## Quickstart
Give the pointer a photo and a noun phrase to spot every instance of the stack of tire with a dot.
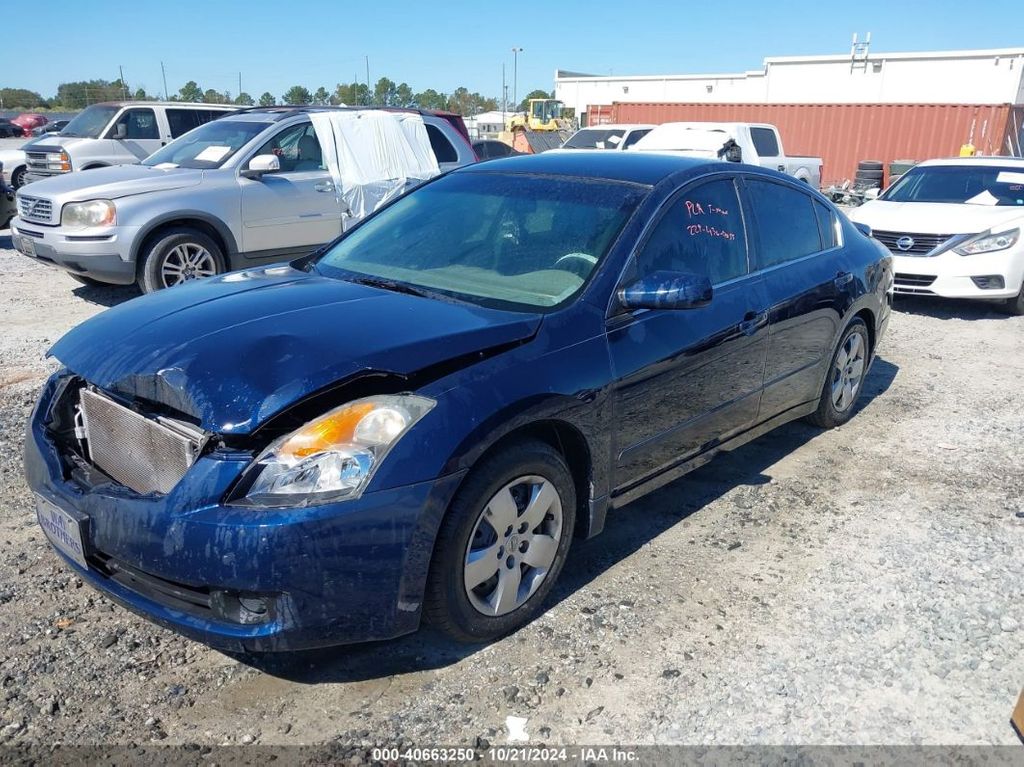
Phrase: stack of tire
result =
(869, 174)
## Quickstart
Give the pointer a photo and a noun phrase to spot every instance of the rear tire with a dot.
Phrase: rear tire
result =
(845, 379)
(515, 514)
(176, 256)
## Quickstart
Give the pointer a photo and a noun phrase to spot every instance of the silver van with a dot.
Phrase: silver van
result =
(116, 133)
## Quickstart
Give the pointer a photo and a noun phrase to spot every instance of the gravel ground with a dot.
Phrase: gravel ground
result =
(857, 586)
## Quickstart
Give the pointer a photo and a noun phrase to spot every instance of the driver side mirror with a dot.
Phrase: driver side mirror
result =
(120, 131)
(668, 290)
(260, 164)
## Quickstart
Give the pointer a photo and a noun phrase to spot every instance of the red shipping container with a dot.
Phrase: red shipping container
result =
(844, 134)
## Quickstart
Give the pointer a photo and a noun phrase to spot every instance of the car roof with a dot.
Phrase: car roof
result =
(196, 104)
(637, 167)
(998, 161)
(619, 126)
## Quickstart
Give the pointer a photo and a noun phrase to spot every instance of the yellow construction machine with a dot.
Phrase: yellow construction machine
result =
(541, 115)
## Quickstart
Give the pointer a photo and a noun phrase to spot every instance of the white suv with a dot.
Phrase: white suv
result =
(954, 229)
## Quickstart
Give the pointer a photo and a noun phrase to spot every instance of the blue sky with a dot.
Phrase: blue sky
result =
(448, 43)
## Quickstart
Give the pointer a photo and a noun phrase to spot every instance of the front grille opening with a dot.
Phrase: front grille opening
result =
(144, 452)
(920, 244)
(190, 599)
(913, 280)
(242, 608)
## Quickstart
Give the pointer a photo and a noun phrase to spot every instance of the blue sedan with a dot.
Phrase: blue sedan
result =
(417, 420)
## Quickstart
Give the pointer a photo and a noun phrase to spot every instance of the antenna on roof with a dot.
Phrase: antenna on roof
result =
(859, 52)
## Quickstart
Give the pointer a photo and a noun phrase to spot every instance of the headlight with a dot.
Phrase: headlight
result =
(988, 243)
(334, 456)
(81, 215)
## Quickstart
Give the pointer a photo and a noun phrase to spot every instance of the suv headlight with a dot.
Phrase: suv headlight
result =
(332, 457)
(988, 243)
(82, 215)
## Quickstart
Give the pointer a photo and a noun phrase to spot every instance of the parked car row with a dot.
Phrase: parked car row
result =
(249, 188)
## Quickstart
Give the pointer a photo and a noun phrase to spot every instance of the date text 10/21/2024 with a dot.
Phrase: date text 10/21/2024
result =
(457, 755)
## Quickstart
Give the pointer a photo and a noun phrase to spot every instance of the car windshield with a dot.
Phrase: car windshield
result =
(496, 239)
(91, 122)
(208, 146)
(595, 139)
(970, 184)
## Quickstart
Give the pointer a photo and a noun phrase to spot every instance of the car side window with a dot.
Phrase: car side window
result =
(443, 149)
(765, 142)
(181, 121)
(297, 149)
(635, 136)
(138, 124)
(702, 232)
(787, 224)
(826, 225)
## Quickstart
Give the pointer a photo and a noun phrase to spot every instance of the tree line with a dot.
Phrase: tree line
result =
(77, 95)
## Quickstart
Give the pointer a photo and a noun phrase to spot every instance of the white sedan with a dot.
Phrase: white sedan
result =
(954, 229)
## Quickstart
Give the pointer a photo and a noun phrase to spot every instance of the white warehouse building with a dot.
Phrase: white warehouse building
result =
(993, 76)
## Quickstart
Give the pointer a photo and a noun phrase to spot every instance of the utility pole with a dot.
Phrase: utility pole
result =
(239, 83)
(124, 86)
(515, 78)
(163, 72)
(368, 93)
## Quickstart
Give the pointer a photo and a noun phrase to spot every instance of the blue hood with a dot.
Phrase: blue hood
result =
(233, 351)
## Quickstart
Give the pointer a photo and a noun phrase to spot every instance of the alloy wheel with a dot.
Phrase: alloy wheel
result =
(848, 372)
(187, 261)
(513, 545)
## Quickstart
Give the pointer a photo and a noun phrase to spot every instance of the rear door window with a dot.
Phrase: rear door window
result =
(826, 225)
(181, 121)
(702, 232)
(765, 142)
(787, 224)
(443, 149)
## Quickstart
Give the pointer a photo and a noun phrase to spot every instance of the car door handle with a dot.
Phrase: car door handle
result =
(782, 168)
(752, 321)
(324, 186)
(843, 278)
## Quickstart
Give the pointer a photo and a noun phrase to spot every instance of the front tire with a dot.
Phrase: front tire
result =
(1015, 306)
(176, 256)
(18, 177)
(845, 378)
(502, 544)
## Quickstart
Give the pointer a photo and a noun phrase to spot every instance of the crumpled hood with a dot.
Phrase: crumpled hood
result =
(111, 183)
(935, 218)
(235, 350)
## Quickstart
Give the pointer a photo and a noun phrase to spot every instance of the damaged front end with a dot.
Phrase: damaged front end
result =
(238, 576)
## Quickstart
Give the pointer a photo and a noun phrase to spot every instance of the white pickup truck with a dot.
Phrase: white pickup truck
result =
(753, 143)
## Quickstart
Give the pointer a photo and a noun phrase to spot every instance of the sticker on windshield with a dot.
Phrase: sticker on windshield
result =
(1009, 177)
(983, 198)
(614, 139)
(213, 154)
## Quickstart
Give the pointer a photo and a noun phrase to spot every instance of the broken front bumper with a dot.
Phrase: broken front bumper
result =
(330, 574)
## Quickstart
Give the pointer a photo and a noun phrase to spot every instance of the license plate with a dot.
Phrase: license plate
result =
(25, 245)
(63, 530)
